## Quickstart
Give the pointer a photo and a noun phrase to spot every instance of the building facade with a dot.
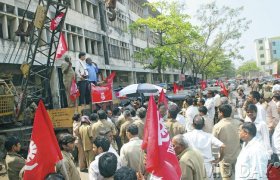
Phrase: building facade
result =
(267, 53)
(110, 45)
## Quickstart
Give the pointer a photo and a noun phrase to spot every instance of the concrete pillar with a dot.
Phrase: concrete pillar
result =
(54, 84)
(89, 46)
(78, 5)
(82, 44)
(171, 77)
(84, 6)
(76, 43)
(73, 4)
(131, 77)
(149, 78)
(5, 27)
(95, 48)
(70, 42)
(90, 10)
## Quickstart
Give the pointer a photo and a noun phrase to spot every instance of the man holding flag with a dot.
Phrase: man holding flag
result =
(161, 159)
(44, 151)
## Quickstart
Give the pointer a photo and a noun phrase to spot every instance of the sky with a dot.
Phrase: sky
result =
(264, 15)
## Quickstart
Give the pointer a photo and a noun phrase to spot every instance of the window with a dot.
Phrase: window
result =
(260, 41)
(273, 43)
(262, 56)
(262, 63)
(10, 9)
(261, 48)
(274, 51)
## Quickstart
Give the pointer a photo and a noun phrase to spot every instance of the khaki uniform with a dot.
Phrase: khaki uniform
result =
(78, 144)
(120, 121)
(140, 124)
(86, 135)
(132, 155)
(14, 163)
(192, 165)
(227, 131)
(70, 172)
(102, 124)
(68, 74)
(123, 129)
(174, 127)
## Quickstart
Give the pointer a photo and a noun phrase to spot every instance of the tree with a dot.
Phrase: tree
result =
(248, 67)
(172, 28)
(221, 29)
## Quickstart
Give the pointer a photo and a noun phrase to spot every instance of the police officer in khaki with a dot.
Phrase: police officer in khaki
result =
(14, 161)
(102, 124)
(140, 121)
(67, 167)
(86, 139)
(68, 75)
(171, 124)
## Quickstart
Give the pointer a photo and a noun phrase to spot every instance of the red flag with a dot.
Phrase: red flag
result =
(55, 21)
(44, 151)
(203, 84)
(217, 83)
(62, 47)
(175, 88)
(223, 90)
(161, 160)
(111, 77)
(74, 91)
(162, 99)
(101, 93)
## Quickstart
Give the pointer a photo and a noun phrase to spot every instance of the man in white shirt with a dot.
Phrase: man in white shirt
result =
(131, 153)
(203, 142)
(262, 129)
(209, 124)
(276, 140)
(101, 145)
(254, 98)
(190, 113)
(81, 77)
(276, 87)
(210, 105)
(252, 160)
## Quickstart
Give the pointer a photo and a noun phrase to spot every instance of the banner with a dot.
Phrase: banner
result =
(56, 21)
(62, 47)
(101, 94)
(44, 151)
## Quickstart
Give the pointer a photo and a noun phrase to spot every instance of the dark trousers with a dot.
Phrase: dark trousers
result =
(88, 91)
(82, 85)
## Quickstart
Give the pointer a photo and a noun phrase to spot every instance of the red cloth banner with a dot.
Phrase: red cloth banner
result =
(162, 99)
(111, 77)
(161, 160)
(175, 88)
(62, 47)
(44, 151)
(223, 89)
(74, 91)
(56, 21)
(101, 94)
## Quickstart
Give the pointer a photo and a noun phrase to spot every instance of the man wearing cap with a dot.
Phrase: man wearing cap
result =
(68, 75)
(67, 167)
(81, 76)
(86, 137)
(102, 124)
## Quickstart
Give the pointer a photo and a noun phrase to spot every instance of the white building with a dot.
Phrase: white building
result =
(267, 52)
(83, 33)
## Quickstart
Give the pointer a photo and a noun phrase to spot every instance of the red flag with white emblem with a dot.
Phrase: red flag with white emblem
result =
(44, 151)
(62, 47)
(56, 21)
(161, 160)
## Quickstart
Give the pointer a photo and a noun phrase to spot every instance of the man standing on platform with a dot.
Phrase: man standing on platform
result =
(68, 75)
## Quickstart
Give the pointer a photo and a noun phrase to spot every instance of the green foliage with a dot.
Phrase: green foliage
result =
(173, 32)
(247, 67)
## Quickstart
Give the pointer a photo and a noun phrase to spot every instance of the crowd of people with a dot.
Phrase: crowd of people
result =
(240, 136)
